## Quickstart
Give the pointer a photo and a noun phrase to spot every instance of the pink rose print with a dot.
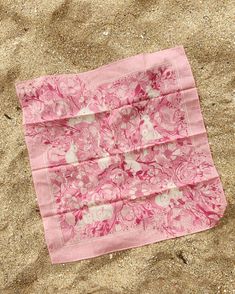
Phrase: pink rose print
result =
(87, 142)
(168, 117)
(107, 192)
(186, 172)
(69, 87)
(125, 127)
(165, 199)
(137, 213)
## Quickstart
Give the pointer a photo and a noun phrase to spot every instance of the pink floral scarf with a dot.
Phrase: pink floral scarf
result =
(120, 156)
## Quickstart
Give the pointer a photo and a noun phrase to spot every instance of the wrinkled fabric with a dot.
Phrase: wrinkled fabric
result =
(120, 155)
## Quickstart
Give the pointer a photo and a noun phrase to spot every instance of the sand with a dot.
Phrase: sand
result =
(65, 36)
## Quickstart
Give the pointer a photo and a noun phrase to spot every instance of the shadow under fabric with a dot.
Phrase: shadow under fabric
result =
(120, 155)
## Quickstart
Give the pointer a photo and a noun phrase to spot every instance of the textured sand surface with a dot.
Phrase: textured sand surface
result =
(63, 36)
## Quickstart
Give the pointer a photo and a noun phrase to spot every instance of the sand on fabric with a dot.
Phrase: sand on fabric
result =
(65, 36)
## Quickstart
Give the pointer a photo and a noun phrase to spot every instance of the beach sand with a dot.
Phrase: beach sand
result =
(65, 36)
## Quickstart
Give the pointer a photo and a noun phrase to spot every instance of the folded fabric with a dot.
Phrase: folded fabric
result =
(120, 155)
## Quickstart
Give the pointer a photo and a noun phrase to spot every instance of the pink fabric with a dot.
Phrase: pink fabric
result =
(120, 156)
